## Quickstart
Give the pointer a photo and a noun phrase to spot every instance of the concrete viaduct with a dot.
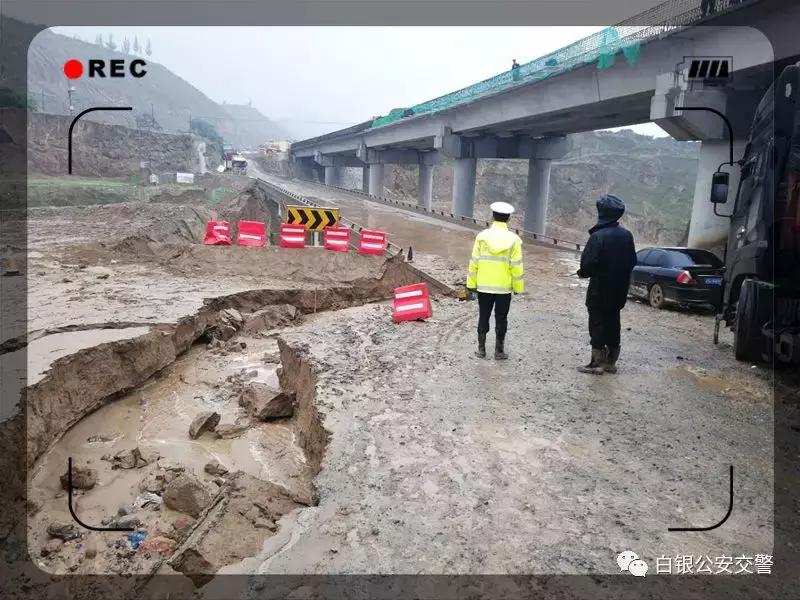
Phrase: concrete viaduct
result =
(533, 121)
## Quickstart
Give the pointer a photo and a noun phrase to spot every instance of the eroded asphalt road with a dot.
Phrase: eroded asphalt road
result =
(440, 462)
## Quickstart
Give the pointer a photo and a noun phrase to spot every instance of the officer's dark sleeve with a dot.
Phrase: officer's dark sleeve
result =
(590, 257)
(631, 253)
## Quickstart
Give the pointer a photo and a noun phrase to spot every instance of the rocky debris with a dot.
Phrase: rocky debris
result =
(125, 522)
(182, 523)
(63, 531)
(229, 322)
(155, 483)
(248, 515)
(271, 358)
(148, 499)
(192, 564)
(264, 402)
(53, 546)
(83, 478)
(276, 315)
(101, 438)
(172, 467)
(215, 468)
(205, 421)
(90, 547)
(265, 524)
(129, 459)
(187, 494)
(232, 430)
(158, 544)
(125, 509)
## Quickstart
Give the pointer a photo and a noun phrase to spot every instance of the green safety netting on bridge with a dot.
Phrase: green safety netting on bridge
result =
(601, 48)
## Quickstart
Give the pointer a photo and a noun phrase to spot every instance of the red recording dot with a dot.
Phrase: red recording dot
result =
(73, 68)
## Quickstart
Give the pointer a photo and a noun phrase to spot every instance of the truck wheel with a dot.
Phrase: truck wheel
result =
(656, 296)
(747, 339)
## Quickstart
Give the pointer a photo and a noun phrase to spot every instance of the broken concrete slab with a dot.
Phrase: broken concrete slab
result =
(205, 421)
(231, 430)
(215, 468)
(130, 459)
(234, 516)
(83, 478)
(269, 318)
(264, 402)
(63, 531)
(187, 494)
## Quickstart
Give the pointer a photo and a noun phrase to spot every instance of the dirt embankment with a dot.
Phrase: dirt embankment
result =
(108, 150)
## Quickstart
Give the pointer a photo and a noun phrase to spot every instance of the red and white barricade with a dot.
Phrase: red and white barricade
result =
(218, 233)
(412, 302)
(372, 242)
(292, 236)
(337, 238)
(252, 233)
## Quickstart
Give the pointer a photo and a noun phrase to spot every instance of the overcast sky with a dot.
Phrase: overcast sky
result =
(319, 79)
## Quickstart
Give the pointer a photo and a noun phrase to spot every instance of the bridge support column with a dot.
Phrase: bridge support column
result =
(706, 230)
(376, 179)
(425, 185)
(365, 179)
(464, 186)
(331, 176)
(537, 195)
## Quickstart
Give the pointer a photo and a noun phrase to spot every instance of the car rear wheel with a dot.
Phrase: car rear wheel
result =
(656, 296)
(751, 314)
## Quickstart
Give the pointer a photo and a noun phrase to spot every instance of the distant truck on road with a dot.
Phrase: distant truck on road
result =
(761, 293)
(233, 161)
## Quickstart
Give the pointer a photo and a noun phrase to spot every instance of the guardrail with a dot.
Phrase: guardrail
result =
(470, 222)
(285, 197)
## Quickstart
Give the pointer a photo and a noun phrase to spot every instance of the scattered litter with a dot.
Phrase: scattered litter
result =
(146, 499)
(136, 538)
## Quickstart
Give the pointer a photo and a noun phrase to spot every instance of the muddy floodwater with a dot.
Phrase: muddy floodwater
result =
(155, 419)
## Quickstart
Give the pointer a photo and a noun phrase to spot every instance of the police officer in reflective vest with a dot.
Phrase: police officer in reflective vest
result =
(495, 272)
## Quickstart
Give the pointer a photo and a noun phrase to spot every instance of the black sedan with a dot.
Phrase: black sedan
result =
(683, 275)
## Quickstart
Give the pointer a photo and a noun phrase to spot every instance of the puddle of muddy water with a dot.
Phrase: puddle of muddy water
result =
(156, 418)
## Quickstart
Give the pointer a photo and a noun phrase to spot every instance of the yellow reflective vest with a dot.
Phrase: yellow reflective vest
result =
(496, 263)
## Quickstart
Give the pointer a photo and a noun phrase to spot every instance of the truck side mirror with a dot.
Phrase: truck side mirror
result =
(719, 188)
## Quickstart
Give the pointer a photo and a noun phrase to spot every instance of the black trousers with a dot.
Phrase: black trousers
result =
(604, 327)
(501, 303)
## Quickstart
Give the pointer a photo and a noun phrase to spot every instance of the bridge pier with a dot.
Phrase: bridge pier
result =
(331, 176)
(425, 185)
(537, 195)
(707, 230)
(365, 179)
(464, 186)
(376, 179)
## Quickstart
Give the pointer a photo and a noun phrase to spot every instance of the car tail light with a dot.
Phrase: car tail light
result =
(685, 278)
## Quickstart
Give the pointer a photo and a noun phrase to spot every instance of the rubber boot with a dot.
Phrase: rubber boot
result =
(610, 364)
(499, 353)
(481, 353)
(595, 366)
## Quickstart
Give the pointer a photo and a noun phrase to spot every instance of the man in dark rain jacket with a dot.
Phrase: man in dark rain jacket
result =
(607, 260)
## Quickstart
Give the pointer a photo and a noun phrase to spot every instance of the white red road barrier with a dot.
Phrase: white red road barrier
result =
(252, 233)
(292, 236)
(372, 242)
(337, 238)
(218, 233)
(412, 303)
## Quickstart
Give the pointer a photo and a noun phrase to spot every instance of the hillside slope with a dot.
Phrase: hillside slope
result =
(171, 99)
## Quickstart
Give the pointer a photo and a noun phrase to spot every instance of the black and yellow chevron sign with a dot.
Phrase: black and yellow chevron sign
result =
(314, 218)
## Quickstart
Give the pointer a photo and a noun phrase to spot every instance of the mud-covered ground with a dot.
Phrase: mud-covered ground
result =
(440, 462)
(422, 458)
